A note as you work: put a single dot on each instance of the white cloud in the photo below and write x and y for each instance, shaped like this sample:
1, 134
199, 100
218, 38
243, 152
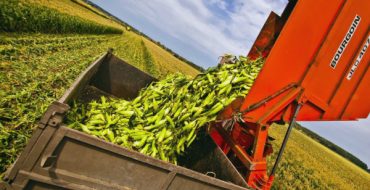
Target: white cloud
209, 27
219, 3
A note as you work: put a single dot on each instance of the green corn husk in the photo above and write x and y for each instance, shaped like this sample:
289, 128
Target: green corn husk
163, 120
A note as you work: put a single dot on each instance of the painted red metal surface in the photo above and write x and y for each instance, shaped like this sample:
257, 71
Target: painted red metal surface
321, 55
303, 53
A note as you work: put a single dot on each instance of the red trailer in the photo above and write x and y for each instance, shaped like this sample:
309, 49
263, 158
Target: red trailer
317, 68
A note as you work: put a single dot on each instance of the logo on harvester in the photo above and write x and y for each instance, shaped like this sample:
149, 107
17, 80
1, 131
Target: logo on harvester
358, 59
345, 41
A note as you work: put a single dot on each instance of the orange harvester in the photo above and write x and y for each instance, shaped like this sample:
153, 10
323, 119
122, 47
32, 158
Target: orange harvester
317, 68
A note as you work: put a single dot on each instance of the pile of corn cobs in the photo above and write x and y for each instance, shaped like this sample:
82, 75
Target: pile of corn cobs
164, 119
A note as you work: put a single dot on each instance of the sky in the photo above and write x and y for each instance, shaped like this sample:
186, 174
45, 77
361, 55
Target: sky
202, 30
199, 30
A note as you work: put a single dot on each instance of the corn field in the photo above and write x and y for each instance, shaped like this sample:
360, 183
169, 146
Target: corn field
17, 16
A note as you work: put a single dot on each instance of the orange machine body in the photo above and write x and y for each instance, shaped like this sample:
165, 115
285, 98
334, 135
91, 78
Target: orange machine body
316, 56
303, 54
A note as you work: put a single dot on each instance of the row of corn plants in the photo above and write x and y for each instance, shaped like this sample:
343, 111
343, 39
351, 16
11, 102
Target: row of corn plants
17, 16
135, 52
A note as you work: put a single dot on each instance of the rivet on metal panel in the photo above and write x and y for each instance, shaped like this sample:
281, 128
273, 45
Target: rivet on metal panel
53, 115
56, 120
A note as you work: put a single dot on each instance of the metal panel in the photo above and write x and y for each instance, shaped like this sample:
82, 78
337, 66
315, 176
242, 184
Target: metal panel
330, 85
120, 79
86, 162
296, 46
184, 182
359, 103
303, 53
